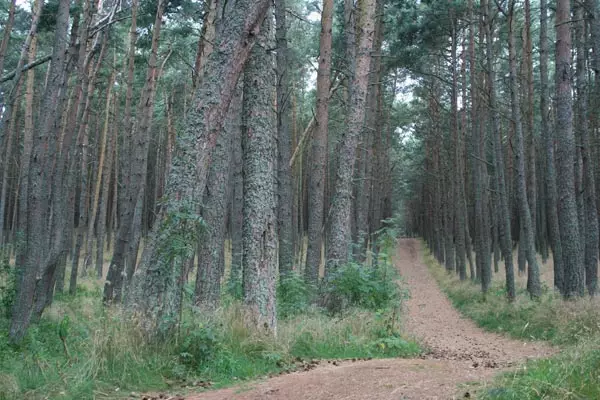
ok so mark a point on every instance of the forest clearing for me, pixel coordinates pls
(299, 199)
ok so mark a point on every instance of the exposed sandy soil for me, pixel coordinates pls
(459, 355)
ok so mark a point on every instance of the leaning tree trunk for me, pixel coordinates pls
(175, 232)
(259, 230)
(35, 251)
(316, 186)
(565, 157)
(339, 232)
(214, 211)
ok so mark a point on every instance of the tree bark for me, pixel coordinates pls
(36, 262)
(534, 285)
(284, 143)
(211, 245)
(155, 279)
(259, 226)
(503, 212)
(340, 209)
(550, 177)
(565, 157)
(589, 228)
(316, 186)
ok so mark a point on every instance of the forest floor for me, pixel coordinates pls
(460, 357)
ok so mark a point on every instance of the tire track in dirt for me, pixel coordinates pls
(459, 354)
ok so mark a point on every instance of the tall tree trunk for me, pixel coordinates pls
(482, 233)
(106, 179)
(550, 176)
(154, 281)
(284, 143)
(565, 157)
(45, 147)
(316, 186)
(533, 285)
(114, 281)
(12, 93)
(128, 236)
(503, 212)
(8, 24)
(590, 226)
(529, 134)
(214, 209)
(259, 229)
(87, 73)
(340, 208)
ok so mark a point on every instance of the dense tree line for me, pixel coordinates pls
(509, 135)
(142, 142)
(148, 144)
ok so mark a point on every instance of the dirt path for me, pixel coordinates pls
(459, 354)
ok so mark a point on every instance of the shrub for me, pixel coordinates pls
(293, 295)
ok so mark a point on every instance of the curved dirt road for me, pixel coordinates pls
(459, 354)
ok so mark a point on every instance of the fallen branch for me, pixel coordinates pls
(26, 68)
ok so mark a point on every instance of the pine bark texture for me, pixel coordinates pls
(155, 280)
(565, 157)
(259, 226)
(339, 232)
(284, 143)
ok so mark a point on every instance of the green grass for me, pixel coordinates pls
(573, 375)
(107, 356)
(548, 318)
(573, 325)
(106, 353)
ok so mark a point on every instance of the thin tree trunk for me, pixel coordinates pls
(550, 171)
(284, 143)
(106, 179)
(503, 212)
(533, 285)
(316, 188)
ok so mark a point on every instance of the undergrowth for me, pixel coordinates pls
(82, 350)
(572, 325)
